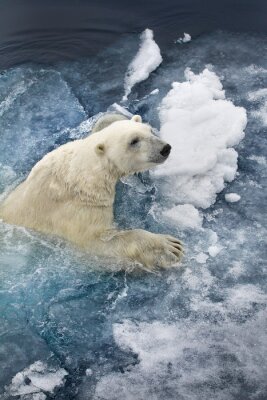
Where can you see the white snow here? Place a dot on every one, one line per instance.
(130, 337)
(36, 378)
(186, 38)
(182, 357)
(147, 59)
(232, 197)
(185, 216)
(201, 126)
(121, 110)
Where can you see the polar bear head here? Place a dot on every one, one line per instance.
(128, 145)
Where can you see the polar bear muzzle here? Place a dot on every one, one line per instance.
(166, 150)
(160, 151)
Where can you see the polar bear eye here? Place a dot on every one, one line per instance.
(134, 141)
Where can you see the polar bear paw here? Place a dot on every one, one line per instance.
(149, 249)
(169, 251)
(157, 250)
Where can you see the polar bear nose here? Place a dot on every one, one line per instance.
(166, 150)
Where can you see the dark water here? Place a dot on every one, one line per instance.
(50, 30)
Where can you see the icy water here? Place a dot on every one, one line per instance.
(74, 327)
(45, 31)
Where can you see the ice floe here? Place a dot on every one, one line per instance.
(146, 60)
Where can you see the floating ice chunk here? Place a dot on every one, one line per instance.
(214, 250)
(232, 197)
(186, 38)
(201, 126)
(36, 378)
(88, 372)
(152, 93)
(122, 110)
(185, 216)
(146, 60)
(201, 258)
(155, 91)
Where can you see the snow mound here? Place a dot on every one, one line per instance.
(201, 126)
(147, 59)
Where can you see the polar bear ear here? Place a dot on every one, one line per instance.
(136, 118)
(100, 149)
(106, 120)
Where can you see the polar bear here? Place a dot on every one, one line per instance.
(70, 192)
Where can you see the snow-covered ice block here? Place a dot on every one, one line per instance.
(232, 197)
(186, 38)
(146, 60)
(201, 126)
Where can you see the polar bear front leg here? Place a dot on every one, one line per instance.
(150, 249)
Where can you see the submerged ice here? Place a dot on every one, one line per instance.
(73, 326)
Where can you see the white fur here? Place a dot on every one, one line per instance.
(70, 193)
